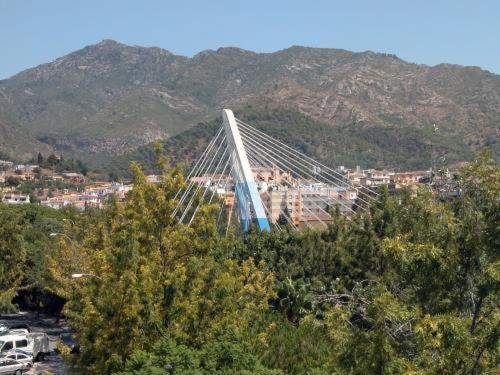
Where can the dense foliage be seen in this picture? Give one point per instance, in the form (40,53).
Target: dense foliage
(411,286)
(60,164)
(27,233)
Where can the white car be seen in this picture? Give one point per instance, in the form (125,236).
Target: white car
(20,356)
(11,367)
(35,344)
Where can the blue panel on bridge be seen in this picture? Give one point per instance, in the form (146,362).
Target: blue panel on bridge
(262,221)
(263,224)
(243,190)
(247,194)
(243,206)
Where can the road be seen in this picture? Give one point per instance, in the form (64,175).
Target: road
(53,364)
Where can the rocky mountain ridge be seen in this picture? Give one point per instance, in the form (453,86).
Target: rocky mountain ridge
(107,99)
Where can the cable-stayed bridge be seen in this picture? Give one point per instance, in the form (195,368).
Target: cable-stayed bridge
(261,181)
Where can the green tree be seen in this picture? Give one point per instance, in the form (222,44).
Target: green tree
(293,299)
(370,330)
(12,256)
(52,160)
(153,276)
(12,181)
(225,353)
(305,348)
(409,286)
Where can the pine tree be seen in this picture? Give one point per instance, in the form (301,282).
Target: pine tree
(152,276)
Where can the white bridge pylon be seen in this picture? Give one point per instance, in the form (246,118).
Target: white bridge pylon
(292,189)
(247,195)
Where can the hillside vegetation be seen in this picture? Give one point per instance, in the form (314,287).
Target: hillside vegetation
(377,146)
(409,286)
(17,143)
(108,99)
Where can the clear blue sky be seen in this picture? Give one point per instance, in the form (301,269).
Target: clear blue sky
(423,31)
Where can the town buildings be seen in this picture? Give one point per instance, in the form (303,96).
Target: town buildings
(301,203)
(94,195)
(15,198)
(52,189)
(304,203)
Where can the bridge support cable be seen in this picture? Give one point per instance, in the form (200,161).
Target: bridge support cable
(212,178)
(224,187)
(316,205)
(296,162)
(291,167)
(282,212)
(307,208)
(202,156)
(200,170)
(329,171)
(318,167)
(222,174)
(204,171)
(341,178)
(328,201)
(195,171)
(257,152)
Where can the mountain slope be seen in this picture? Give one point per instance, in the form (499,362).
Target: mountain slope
(376,146)
(101,99)
(16,142)
(108,99)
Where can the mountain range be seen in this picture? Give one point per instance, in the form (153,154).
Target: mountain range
(105,101)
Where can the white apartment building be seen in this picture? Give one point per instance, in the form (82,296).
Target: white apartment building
(306,203)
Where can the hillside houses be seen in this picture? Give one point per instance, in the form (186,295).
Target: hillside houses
(94,195)
(10,198)
(57,190)
(373,178)
(20,183)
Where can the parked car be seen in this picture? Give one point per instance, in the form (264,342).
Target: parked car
(68,340)
(13,340)
(14,332)
(14,328)
(19,355)
(11,367)
(36,343)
